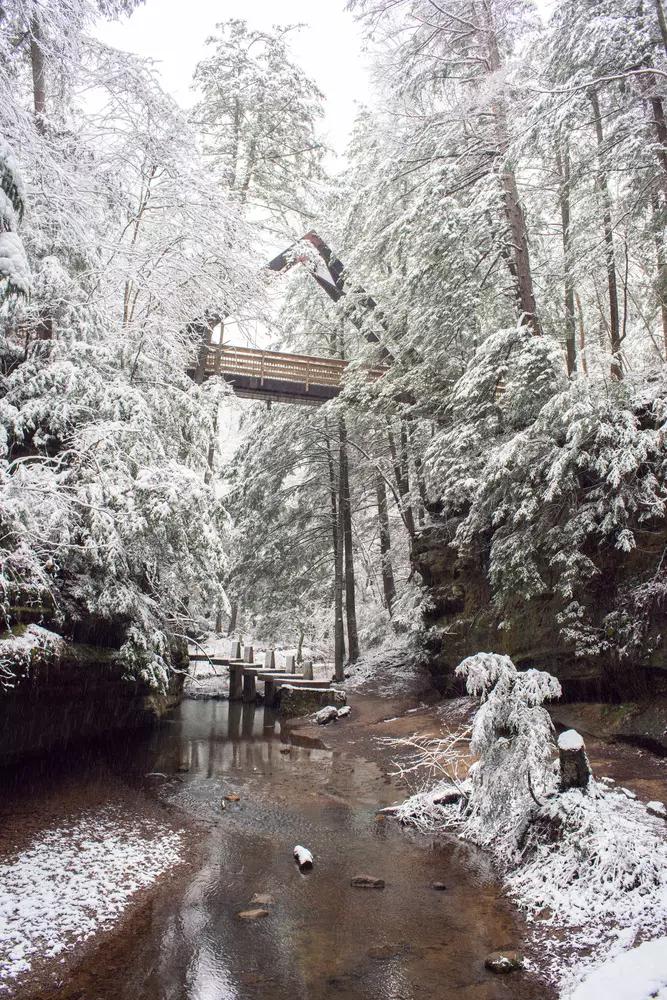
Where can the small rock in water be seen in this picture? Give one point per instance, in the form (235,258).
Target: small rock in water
(303,857)
(284,750)
(233,798)
(252,914)
(608,781)
(223,804)
(503,961)
(183,768)
(262,899)
(628,794)
(439,885)
(344,711)
(367,882)
(326,715)
(384,951)
(657,809)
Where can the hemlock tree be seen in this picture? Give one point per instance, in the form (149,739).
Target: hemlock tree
(109,525)
(14,268)
(258,117)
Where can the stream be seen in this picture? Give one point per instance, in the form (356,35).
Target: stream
(322,938)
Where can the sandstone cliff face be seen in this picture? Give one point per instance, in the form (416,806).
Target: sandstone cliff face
(79,695)
(625,658)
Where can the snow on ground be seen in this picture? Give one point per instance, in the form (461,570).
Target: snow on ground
(604,882)
(388,670)
(639,974)
(75,880)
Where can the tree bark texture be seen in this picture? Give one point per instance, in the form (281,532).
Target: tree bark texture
(388,583)
(38,72)
(612,284)
(402,476)
(337,539)
(563,165)
(344,501)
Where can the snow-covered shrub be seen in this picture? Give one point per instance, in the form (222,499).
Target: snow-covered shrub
(513,737)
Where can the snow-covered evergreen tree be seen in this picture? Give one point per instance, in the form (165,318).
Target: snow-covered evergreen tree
(259,116)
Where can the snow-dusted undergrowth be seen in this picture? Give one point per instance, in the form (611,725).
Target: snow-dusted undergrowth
(75,880)
(17,652)
(388,669)
(589,860)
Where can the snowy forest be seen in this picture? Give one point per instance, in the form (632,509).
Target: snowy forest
(484,271)
(500,219)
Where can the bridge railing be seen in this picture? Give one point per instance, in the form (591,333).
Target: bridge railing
(249,361)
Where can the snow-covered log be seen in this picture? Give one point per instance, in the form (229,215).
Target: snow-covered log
(303,857)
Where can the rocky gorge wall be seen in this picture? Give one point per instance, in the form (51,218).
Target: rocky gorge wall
(80,694)
(624,659)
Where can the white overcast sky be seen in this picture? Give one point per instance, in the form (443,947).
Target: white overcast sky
(329,48)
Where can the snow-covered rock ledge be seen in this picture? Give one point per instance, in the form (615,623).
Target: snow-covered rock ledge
(53,692)
(73,881)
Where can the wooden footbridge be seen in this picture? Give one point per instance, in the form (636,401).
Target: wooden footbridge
(291,378)
(274,376)
(244,674)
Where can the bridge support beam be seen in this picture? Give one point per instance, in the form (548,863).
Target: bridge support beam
(249,687)
(270,692)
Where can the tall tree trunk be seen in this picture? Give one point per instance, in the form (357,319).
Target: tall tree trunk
(662,21)
(525,295)
(401,474)
(233,618)
(337,539)
(582,336)
(388,584)
(563,165)
(38,72)
(661,257)
(612,285)
(344,501)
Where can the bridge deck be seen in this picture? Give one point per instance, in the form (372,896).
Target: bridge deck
(273,375)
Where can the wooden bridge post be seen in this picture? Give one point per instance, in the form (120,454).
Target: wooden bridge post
(290,662)
(270,659)
(235,650)
(235,682)
(307,669)
(249,687)
(248,654)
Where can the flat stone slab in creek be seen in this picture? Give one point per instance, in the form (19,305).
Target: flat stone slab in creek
(657,809)
(504,961)
(254,914)
(440,886)
(367,882)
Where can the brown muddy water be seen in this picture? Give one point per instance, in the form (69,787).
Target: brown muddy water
(322,938)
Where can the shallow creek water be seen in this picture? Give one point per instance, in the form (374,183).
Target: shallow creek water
(322,938)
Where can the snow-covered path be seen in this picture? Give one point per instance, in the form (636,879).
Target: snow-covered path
(74,880)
